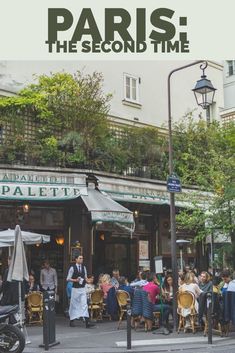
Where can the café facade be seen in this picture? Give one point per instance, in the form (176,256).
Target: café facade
(115,221)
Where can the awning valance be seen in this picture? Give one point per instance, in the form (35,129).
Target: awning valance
(124,190)
(104,209)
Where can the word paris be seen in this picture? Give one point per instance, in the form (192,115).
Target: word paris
(117,32)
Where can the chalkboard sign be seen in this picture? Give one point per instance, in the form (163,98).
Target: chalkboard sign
(74,252)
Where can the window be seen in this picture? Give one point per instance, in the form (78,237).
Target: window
(231,67)
(131,88)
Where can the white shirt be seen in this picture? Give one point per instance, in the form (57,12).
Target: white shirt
(48,278)
(231,286)
(71,270)
(139,283)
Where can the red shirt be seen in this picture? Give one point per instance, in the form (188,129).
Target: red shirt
(153,291)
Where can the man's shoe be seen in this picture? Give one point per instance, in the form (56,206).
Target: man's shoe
(72,323)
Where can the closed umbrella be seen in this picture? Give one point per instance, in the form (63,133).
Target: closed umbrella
(18,270)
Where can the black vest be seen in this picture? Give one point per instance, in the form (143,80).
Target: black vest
(77,274)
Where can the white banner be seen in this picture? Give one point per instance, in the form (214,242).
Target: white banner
(40,192)
(136,30)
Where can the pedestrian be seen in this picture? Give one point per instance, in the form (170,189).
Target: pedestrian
(48,277)
(78,307)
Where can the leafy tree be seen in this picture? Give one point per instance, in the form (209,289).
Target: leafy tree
(204,156)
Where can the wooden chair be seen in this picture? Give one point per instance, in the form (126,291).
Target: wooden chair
(186,307)
(35,307)
(96,304)
(122,297)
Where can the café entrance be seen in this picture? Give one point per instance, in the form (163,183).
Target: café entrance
(115,251)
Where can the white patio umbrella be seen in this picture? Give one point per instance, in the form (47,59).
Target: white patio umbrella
(18,269)
(4,245)
(29,238)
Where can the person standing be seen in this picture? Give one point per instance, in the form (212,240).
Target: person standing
(78,303)
(48,277)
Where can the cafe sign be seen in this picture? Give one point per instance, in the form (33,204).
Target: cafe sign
(41,186)
(39,192)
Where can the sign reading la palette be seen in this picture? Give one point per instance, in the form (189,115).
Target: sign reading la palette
(41,186)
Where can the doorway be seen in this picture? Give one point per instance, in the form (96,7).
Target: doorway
(115,252)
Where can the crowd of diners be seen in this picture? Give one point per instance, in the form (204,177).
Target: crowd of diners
(159,289)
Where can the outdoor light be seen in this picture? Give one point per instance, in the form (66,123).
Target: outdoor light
(204,91)
(59,240)
(26,208)
(136,213)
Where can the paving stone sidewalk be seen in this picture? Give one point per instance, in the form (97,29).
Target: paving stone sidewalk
(105,338)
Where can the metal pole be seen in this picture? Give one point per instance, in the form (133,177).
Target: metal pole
(181,260)
(128,327)
(212,255)
(209,317)
(172,195)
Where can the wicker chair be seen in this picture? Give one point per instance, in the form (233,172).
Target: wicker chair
(96,304)
(35,307)
(186,307)
(122,297)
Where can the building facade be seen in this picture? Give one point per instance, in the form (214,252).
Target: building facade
(57,197)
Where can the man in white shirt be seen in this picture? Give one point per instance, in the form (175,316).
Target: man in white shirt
(78,304)
(48,277)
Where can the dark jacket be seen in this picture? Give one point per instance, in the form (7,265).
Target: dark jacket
(10,291)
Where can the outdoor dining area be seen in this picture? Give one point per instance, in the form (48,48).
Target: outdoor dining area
(193,301)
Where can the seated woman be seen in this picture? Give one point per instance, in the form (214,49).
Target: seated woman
(189,285)
(31,285)
(168,289)
(205,285)
(105,284)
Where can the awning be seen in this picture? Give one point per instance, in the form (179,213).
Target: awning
(104,209)
(153,193)
(40,186)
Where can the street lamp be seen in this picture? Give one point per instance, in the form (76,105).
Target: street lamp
(203,89)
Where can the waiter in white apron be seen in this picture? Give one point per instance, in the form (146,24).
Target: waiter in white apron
(78,304)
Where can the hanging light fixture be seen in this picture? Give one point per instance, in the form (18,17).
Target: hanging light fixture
(26,208)
(136,213)
(204,91)
(59,240)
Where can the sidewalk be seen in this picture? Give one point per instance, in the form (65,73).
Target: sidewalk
(105,338)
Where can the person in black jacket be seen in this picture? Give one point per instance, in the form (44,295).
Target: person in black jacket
(10,290)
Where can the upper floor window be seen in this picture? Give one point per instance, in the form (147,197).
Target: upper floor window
(131,88)
(231,67)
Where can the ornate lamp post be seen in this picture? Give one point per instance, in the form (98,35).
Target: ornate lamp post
(204,93)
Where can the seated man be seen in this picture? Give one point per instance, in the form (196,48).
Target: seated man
(153,289)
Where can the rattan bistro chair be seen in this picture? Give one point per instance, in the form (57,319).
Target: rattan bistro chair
(35,307)
(186,307)
(122,297)
(96,306)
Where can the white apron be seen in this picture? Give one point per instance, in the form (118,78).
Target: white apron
(78,304)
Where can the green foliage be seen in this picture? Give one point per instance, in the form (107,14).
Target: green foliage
(204,156)
(145,151)
(60,104)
